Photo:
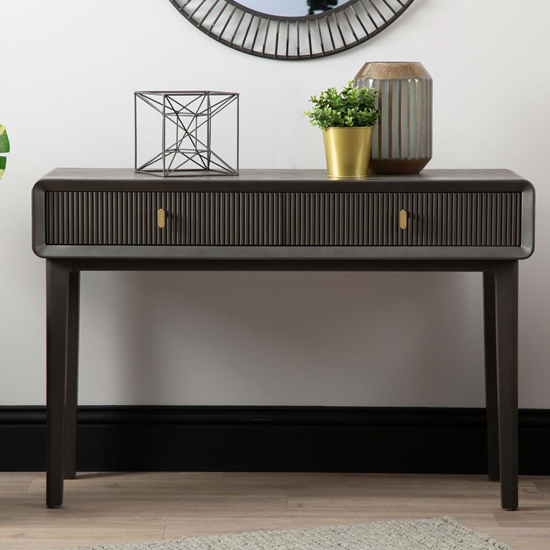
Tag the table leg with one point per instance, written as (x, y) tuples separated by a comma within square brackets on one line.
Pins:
[(57, 310), (71, 399), (491, 384), (506, 286)]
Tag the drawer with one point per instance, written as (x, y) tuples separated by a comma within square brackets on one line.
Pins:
[(282, 219)]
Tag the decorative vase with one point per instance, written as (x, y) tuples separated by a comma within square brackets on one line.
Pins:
[(402, 141), (348, 151)]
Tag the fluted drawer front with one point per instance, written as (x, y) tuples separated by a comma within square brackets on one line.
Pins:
[(277, 219)]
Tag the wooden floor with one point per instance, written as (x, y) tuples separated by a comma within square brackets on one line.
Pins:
[(116, 508)]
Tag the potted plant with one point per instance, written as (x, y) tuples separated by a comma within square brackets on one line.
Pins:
[(4, 148), (347, 119)]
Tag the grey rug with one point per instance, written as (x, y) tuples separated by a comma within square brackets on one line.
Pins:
[(429, 534)]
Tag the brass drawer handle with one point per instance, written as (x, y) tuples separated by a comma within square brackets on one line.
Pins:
[(403, 219), (161, 218)]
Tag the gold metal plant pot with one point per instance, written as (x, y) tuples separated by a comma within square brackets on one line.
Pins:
[(348, 151)]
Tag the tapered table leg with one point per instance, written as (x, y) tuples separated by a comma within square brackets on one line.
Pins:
[(71, 399), (506, 285), (491, 387), (57, 309)]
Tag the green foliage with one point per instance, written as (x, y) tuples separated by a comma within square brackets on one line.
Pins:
[(4, 141), (4, 148), (352, 107)]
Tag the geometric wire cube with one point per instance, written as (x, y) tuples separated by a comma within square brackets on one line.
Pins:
[(187, 133)]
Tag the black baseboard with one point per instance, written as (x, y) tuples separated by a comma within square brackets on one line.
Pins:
[(304, 439)]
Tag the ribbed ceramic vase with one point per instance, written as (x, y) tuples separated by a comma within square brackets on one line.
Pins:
[(402, 141)]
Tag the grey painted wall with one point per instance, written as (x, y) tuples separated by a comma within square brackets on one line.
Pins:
[(68, 74)]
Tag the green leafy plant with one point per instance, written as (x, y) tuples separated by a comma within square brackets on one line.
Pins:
[(352, 107), (4, 148)]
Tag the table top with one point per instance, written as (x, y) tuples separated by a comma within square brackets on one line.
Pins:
[(126, 174), (122, 179)]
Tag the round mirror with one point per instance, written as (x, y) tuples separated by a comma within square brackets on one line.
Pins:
[(291, 8), (291, 29)]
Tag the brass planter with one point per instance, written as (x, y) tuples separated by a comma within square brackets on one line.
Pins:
[(348, 151)]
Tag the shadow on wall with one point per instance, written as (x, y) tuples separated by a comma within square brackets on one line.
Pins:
[(282, 338)]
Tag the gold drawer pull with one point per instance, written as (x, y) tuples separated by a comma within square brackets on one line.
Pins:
[(403, 219), (161, 217)]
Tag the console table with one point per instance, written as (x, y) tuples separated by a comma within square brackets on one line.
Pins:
[(292, 220)]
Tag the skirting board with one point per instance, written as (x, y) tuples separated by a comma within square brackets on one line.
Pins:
[(297, 439)]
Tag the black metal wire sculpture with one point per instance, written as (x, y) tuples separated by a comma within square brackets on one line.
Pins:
[(186, 133), (292, 38)]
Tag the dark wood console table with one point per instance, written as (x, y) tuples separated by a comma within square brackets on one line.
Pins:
[(292, 220)]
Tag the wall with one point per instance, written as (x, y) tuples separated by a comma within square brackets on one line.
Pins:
[(69, 70)]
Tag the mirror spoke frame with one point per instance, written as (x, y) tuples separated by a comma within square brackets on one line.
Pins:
[(291, 38)]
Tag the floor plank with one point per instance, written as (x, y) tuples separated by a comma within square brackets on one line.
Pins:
[(112, 508)]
